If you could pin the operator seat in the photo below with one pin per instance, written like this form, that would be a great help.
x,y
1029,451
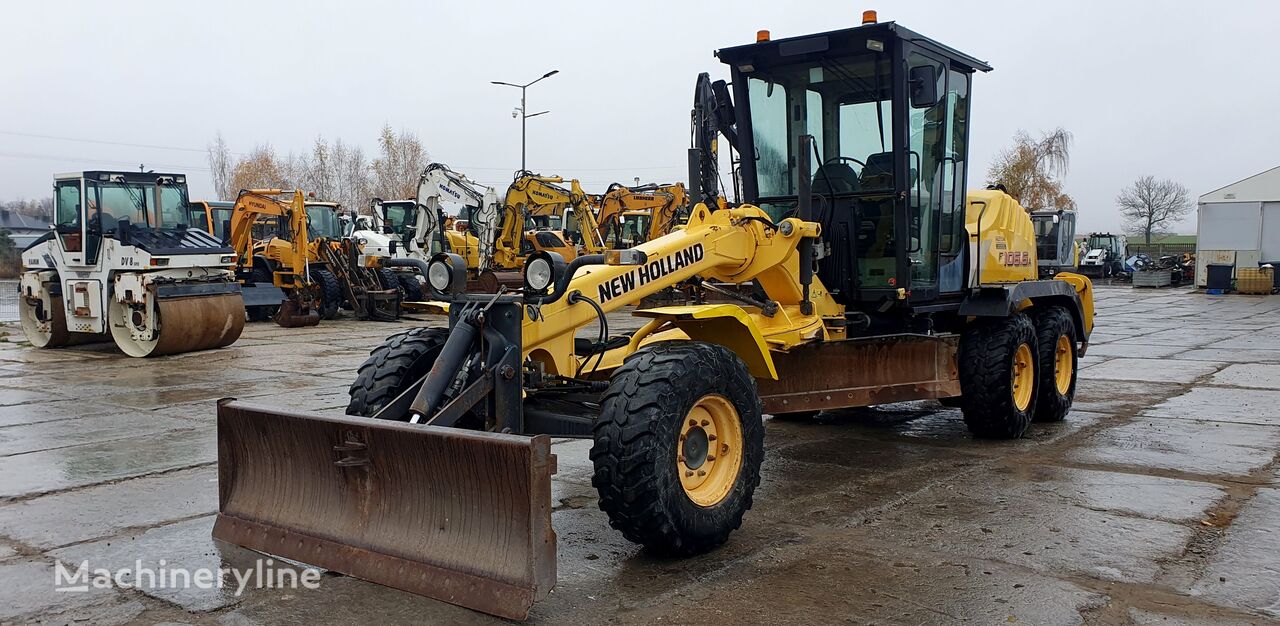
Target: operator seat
x,y
835,178
878,174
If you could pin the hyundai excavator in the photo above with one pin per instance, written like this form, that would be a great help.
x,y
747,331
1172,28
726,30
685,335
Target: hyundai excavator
x,y
623,211
277,278
879,280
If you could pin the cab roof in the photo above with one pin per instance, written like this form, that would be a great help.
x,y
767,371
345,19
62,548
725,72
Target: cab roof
x,y
847,40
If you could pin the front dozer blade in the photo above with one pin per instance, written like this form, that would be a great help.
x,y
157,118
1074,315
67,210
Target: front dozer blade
x,y
457,515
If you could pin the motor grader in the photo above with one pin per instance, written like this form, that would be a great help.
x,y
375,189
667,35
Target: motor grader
x,y
874,279
121,264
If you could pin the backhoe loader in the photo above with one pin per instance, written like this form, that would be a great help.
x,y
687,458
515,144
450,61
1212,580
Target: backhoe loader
x,y
877,278
121,264
624,210
276,276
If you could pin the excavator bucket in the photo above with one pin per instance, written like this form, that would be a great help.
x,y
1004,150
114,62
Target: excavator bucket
x,y
291,316
457,515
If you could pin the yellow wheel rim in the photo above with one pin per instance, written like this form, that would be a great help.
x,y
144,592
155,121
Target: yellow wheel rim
x,y
709,453
1024,373
1062,366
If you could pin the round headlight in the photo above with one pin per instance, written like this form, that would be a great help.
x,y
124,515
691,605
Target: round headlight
x,y
538,274
438,274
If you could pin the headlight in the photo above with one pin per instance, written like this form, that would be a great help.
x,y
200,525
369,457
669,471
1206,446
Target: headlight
x,y
447,274
537,274
541,271
439,275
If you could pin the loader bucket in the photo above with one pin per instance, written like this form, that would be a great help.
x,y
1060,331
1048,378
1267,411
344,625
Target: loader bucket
x,y
457,515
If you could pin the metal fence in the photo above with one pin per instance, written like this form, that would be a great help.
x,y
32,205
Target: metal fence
x,y
1157,250
8,300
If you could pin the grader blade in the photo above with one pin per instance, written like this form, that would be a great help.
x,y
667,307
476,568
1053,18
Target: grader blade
x,y
456,515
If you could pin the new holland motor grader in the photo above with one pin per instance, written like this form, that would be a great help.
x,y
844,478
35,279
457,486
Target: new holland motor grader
x,y
877,280
122,264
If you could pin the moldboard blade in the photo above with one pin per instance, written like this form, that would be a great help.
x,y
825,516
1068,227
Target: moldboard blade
x,y
456,515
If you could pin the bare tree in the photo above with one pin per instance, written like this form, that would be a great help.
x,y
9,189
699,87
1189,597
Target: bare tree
x,y
221,166
1031,169
400,162
1151,206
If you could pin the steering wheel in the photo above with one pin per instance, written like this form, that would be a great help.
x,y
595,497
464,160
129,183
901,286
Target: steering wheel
x,y
842,159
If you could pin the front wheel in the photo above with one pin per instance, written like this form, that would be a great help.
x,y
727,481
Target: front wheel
x,y
330,292
678,446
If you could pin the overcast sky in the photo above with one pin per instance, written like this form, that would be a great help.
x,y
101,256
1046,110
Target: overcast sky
x,y
1184,90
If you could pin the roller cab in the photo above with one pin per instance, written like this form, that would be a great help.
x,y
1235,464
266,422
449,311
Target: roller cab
x,y
124,263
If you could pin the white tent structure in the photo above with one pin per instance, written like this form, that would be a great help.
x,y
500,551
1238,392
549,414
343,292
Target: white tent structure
x,y
1239,224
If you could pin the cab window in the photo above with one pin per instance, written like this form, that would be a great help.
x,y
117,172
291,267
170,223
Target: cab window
x,y
67,222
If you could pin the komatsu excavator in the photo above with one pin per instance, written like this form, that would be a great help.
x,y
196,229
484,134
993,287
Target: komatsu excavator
x,y
122,263
624,210
419,227
535,198
878,280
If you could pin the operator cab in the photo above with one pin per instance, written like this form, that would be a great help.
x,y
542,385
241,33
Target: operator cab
x,y
399,217
144,209
323,221
888,110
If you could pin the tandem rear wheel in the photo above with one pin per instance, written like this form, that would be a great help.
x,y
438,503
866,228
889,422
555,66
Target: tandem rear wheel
x,y
1017,370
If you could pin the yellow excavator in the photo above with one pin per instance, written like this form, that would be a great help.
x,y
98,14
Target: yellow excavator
x,y
276,276
296,267
877,280
535,198
632,215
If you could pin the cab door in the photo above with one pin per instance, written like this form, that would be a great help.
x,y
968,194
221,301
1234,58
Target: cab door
x,y
69,223
927,160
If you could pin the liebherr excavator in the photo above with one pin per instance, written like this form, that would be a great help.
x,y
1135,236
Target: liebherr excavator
x,y
624,210
879,280
418,226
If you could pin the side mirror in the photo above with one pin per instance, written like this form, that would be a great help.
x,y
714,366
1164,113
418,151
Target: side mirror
x,y
923,80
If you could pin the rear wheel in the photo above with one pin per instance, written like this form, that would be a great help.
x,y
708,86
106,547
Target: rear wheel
x,y
330,292
998,363
393,367
678,446
1056,339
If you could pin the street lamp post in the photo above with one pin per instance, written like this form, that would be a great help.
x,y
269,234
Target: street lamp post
x,y
524,110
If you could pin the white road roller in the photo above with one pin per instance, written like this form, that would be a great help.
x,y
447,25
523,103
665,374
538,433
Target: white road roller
x,y
122,261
